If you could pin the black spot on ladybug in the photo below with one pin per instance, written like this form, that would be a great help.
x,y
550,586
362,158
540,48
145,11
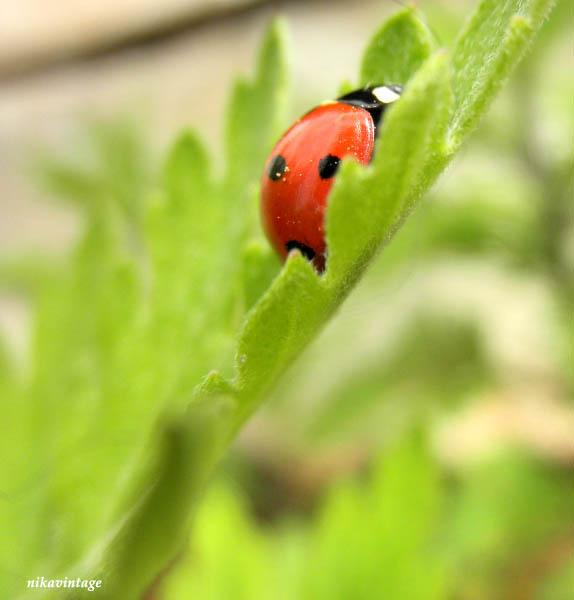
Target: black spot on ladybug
x,y
277,168
306,251
328,166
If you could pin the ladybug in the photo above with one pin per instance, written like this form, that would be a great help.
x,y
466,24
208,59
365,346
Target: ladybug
x,y
300,169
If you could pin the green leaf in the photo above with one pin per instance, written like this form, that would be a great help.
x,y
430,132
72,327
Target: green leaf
x,y
396,51
366,206
260,265
256,112
370,538
114,175
118,341
81,326
227,557
194,277
379,537
187,174
488,48
155,530
281,323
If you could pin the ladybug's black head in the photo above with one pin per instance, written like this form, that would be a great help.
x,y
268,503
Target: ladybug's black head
x,y
374,99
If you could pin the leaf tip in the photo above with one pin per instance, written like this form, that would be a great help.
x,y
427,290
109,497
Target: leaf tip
x,y
397,49
273,47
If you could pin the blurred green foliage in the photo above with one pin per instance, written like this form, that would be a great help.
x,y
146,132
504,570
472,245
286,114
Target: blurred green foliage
x,y
121,417
403,532
377,537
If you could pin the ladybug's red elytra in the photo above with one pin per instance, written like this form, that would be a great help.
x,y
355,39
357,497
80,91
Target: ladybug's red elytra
x,y
300,169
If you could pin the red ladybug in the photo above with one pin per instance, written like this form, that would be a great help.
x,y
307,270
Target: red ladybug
x,y
299,172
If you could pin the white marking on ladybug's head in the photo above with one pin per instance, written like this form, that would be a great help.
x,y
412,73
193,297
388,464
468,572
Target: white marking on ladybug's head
x,y
385,94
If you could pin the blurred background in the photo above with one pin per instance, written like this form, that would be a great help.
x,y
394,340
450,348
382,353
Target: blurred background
x,y
447,376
